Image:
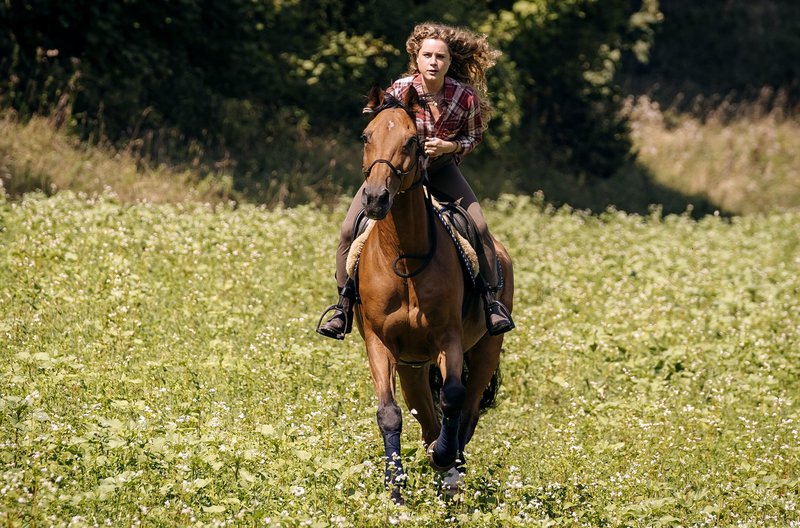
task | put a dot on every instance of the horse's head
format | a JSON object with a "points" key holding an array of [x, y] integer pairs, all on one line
{"points": [[391, 150]]}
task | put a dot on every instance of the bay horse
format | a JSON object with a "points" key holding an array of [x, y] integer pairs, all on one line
{"points": [[417, 311]]}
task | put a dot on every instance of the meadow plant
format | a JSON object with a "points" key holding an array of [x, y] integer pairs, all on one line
{"points": [[160, 368]]}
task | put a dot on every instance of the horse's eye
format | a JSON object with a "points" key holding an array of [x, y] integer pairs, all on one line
{"points": [[364, 138], [409, 144]]}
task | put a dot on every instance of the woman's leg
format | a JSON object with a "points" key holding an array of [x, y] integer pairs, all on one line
{"points": [[346, 237], [341, 322], [449, 181]]}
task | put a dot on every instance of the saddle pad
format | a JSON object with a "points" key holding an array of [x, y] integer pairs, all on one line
{"points": [[462, 232], [358, 244]]}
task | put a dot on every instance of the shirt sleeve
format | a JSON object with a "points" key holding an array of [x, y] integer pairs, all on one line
{"points": [[399, 88], [472, 130]]}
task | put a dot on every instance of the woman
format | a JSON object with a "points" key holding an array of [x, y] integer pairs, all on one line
{"points": [[447, 68]]}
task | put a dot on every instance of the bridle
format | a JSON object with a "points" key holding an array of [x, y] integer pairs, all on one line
{"points": [[392, 102], [397, 172]]}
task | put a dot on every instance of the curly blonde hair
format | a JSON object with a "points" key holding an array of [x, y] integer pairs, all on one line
{"points": [[471, 55]]}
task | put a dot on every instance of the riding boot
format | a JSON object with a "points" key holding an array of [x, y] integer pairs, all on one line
{"points": [[498, 318], [341, 322]]}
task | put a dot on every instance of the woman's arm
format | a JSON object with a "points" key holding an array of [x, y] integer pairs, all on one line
{"points": [[471, 133]]}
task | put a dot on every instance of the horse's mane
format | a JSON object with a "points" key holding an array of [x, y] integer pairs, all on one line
{"points": [[389, 101]]}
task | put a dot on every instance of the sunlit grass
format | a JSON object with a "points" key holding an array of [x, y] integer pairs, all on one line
{"points": [[36, 155], [159, 367], [744, 159]]}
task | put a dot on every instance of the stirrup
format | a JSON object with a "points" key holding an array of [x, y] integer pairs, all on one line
{"points": [[495, 305], [326, 331], [491, 304], [343, 307]]}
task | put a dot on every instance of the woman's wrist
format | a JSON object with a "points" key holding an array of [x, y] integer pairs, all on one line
{"points": [[456, 147]]}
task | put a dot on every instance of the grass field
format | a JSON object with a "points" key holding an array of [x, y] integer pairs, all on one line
{"points": [[159, 368]]}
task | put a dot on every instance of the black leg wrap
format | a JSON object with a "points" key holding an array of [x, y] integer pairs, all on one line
{"points": [[390, 422], [447, 441], [452, 397], [443, 453]]}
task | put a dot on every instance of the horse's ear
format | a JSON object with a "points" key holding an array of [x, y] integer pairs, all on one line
{"points": [[374, 99], [412, 101]]}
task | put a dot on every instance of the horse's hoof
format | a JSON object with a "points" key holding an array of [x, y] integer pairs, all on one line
{"points": [[453, 483], [434, 464], [397, 497]]}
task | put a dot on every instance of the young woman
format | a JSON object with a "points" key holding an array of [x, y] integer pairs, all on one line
{"points": [[447, 68]]}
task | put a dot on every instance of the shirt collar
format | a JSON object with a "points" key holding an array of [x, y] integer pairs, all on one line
{"points": [[447, 90]]}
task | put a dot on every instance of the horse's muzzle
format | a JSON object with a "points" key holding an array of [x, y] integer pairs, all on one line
{"points": [[376, 205]]}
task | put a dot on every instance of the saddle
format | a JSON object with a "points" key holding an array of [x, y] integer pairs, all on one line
{"points": [[457, 223]]}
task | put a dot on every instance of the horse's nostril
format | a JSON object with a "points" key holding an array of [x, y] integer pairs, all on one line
{"points": [[384, 197], [379, 200]]}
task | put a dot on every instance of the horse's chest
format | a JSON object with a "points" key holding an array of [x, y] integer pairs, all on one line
{"points": [[412, 314]]}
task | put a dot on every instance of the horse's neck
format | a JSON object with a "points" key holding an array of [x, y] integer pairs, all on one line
{"points": [[406, 228]]}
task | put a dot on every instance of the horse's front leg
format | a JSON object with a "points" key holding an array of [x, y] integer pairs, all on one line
{"points": [[443, 452], [390, 419], [415, 384]]}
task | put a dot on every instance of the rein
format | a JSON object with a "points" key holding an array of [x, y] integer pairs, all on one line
{"points": [[426, 258]]}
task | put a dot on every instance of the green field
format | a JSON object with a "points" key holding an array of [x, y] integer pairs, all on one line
{"points": [[159, 368]]}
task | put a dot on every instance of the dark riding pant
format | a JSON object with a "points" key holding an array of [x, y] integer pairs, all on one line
{"points": [[447, 184]]}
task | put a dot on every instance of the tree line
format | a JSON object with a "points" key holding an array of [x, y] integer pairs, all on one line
{"points": [[231, 79]]}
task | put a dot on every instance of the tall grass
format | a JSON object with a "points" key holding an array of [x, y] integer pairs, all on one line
{"points": [[738, 159], [745, 158], [38, 155]]}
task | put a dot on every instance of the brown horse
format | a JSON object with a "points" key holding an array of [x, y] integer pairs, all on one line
{"points": [[416, 307]]}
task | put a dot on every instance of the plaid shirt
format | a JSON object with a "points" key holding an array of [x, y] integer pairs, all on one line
{"points": [[460, 118]]}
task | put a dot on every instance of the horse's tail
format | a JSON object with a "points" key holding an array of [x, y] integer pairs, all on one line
{"points": [[489, 398]]}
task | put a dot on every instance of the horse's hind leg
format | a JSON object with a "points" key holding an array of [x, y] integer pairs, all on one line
{"points": [[484, 358], [390, 419], [443, 453]]}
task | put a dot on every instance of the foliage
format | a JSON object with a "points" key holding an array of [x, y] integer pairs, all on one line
{"points": [[565, 55], [160, 368], [708, 52], [238, 81]]}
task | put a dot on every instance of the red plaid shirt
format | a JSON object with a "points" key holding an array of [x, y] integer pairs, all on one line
{"points": [[460, 113]]}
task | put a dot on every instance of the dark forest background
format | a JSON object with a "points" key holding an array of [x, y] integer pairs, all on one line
{"points": [[271, 91]]}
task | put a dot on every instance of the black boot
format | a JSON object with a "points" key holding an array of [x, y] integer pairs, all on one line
{"points": [[498, 318], [341, 322]]}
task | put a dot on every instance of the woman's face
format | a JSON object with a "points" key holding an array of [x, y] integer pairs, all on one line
{"points": [[433, 60]]}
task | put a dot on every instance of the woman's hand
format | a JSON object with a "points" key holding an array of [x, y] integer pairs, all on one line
{"points": [[435, 147]]}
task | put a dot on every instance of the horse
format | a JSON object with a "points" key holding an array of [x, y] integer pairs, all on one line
{"points": [[416, 309]]}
